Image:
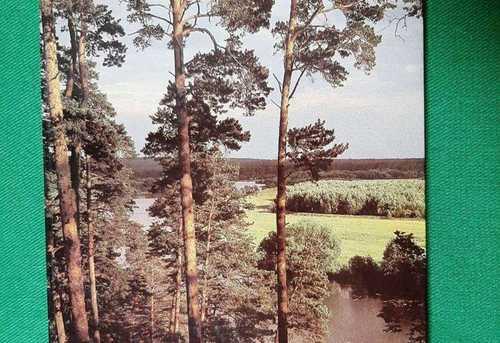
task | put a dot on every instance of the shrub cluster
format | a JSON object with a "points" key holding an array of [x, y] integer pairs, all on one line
{"points": [[391, 198]]}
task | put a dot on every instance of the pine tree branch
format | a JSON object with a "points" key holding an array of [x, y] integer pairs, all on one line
{"points": [[319, 10], [158, 5], [158, 17], [279, 83], [275, 103], [204, 30], [297, 83]]}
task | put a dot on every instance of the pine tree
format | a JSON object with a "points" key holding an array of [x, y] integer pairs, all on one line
{"points": [[66, 194], [311, 147], [93, 32], [311, 44], [179, 20], [102, 145], [210, 176]]}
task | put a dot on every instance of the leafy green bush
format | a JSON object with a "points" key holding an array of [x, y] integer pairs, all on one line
{"points": [[311, 253], [391, 198]]}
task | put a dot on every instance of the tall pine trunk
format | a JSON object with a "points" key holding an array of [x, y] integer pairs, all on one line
{"points": [[282, 288], [55, 287], [85, 95], [82, 64], [204, 291], [171, 328], [70, 85], [75, 167], [91, 253], [58, 316], [176, 301], [152, 317], [66, 194], [72, 73], [186, 183]]}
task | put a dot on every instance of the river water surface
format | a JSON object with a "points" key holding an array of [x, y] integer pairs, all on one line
{"points": [[351, 320], [355, 320]]}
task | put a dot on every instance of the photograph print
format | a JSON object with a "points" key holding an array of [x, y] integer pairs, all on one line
{"points": [[234, 170]]}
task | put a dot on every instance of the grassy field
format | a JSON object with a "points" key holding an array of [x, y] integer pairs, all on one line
{"points": [[358, 235]]}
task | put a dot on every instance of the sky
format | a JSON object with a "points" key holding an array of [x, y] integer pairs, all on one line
{"points": [[380, 115]]}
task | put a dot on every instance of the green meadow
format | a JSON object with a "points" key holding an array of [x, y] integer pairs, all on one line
{"points": [[358, 235]]}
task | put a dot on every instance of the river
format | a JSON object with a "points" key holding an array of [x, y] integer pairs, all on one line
{"points": [[351, 320], [355, 320]]}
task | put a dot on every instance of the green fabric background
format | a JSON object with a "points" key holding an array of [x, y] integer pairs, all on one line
{"points": [[23, 295], [463, 169], [463, 161]]}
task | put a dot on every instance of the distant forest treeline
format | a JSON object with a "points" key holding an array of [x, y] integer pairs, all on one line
{"points": [[265, 170]]}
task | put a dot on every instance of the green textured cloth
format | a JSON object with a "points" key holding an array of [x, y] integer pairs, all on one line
{"points": [[463, 160], [463, 169], [23, 291]]}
